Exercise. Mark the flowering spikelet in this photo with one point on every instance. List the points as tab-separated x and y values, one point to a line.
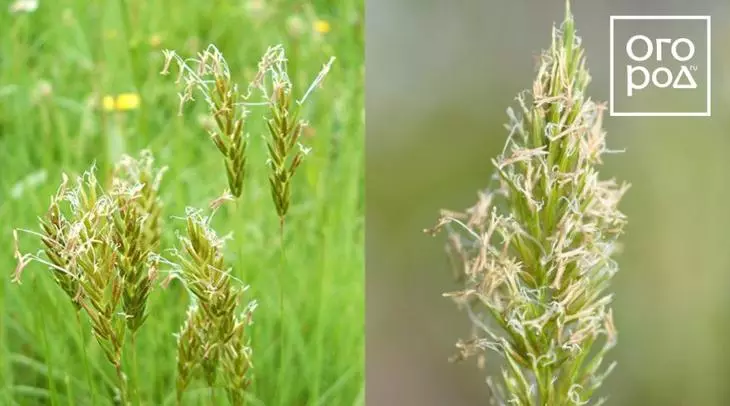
209	75
284	125
214	333
285	129
100	248
535	251
55	229
78	235
137	232
142	173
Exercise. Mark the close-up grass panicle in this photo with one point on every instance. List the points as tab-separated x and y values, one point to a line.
78	235
535	252
141	172
55	229
285	131
284	124
100	249
214	333
137	230
209	75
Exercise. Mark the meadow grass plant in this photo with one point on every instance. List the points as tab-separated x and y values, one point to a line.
83	86
535	252
208	74
212	333
104	255
95	248
103	245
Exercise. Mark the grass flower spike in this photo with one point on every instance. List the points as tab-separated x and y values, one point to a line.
101	249
209	75
284	124
78	235
56	229
285	130
141	174
214	334
535	251
137	232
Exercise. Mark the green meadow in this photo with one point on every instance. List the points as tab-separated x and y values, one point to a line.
58	64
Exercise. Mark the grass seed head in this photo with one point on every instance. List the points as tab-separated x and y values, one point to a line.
99	248
284	124
90	245
535	252
137	229
214	333
208	75
56	229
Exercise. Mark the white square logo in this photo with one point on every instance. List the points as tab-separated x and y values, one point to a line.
660	66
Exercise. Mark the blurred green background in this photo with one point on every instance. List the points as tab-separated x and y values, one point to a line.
440	77
58	61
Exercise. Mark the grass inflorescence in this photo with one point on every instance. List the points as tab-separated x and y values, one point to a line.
285	127
536	251
135	191
208	74
97	248
103	247
95	94
214	333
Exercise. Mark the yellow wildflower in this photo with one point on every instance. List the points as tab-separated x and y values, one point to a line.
123	102
322	26
127	101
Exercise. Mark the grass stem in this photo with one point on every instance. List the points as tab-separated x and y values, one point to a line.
282	307
123	394
135	371
84	357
